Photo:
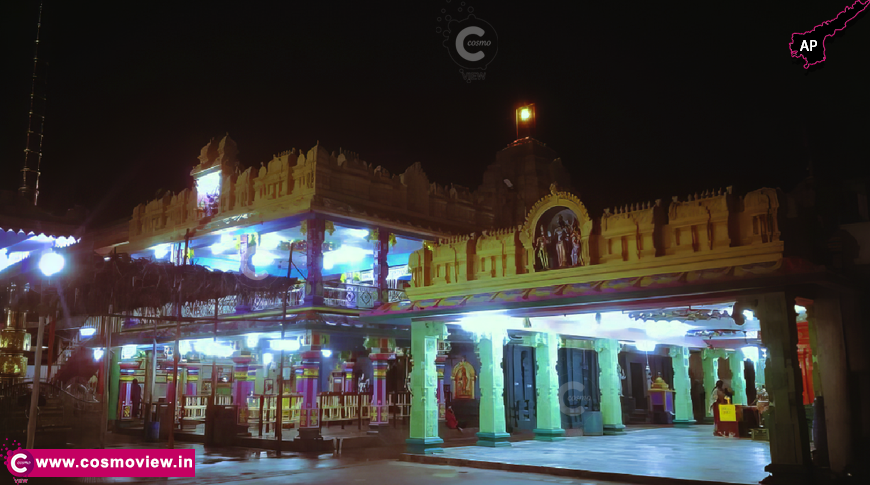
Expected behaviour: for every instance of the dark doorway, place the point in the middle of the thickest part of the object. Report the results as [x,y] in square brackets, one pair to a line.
[578,385]
[638,391]
[520,398]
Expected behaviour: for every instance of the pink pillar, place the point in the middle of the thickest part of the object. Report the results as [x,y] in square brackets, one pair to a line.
[349,386]
[440,360]
[308,384]
[125,395]
[381,351]
[242,387]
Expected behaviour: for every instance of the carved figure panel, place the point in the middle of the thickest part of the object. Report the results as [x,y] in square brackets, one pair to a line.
[463,381]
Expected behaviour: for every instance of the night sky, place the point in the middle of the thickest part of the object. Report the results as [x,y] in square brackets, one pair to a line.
[643,100]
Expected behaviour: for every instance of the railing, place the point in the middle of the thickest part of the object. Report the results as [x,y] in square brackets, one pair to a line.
[350,296]
[341,295]
[59,411]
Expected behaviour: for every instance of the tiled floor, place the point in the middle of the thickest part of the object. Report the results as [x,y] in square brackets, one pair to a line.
[684,453]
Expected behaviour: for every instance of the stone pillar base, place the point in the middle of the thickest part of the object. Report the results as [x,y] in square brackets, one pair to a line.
[493,439]
[788,474]
[549,434]
[309,434]
[425,446]
[684,424]
[377,428]
[614,429]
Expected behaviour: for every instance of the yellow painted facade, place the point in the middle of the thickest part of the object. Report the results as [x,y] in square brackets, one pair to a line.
[708,231]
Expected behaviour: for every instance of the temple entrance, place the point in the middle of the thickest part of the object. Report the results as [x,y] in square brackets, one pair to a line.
[578,385]
[521,394]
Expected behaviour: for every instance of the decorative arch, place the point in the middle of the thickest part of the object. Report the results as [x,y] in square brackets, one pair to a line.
[545,212]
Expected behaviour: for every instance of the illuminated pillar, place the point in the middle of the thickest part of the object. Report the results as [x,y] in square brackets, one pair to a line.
[114,381]
[759,367]
[308,384]
[785,418]
[549,412]
[14,341]
[347,368]
[710,364]
[490,349]
[738,382]
[608,383]
[381,269]
[424,379]
[242,387]
[192,380]
[315,232]
[440,360]
[682,387]
[380,352]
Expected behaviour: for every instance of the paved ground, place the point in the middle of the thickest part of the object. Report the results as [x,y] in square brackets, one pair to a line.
[239,466]
[676,453]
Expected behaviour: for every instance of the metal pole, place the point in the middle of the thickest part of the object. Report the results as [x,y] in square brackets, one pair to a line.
[280,411]
[176,357]
[210,409]
[107,334]
[34,398]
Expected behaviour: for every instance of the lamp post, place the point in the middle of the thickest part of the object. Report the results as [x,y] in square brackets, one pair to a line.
[50,264]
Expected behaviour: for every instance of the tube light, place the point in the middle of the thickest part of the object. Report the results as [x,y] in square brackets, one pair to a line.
[645,345]
[87,331]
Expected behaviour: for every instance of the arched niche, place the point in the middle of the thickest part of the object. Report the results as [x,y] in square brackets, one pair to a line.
[561,219]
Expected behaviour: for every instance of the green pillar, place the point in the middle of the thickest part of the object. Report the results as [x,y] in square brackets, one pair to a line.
[608,382]
[424,381]
[490,349]
[738,382]
[547,382]
[710,363]
[114,383]
[682,387]
[759,368]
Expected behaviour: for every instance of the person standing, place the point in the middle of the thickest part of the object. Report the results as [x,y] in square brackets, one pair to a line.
[136,397]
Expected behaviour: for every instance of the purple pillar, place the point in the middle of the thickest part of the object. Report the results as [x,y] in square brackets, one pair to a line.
[315,236]
[381,269]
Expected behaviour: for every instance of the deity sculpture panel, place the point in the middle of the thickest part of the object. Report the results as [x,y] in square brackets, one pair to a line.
[558,241]
[463,381]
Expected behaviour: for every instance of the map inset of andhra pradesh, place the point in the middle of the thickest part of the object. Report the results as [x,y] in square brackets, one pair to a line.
[810,46]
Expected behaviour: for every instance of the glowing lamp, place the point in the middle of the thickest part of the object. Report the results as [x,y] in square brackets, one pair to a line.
[87,332]
[326,353]
[289,345]
[262,258]
[161,251]
[51,264]
[267,359]
[98,354]
[526,121]
[645,345]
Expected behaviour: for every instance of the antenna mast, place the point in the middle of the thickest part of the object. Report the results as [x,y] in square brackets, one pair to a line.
[29,189]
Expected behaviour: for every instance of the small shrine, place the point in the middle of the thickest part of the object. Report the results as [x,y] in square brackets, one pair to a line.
[463,381]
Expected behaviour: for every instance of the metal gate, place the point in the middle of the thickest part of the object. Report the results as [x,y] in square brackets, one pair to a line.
[520,395]
[578,385]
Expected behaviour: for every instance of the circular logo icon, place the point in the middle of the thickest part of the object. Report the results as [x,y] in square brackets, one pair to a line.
[20,463]
[471,42]
[571,398]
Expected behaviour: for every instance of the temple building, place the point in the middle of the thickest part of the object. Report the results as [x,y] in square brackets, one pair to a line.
[511,307]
